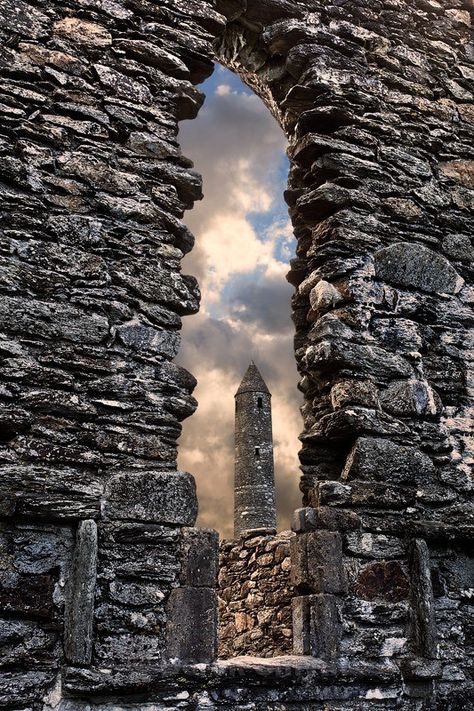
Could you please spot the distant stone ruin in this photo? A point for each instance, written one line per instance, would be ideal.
(255, 596)
(254, 587)
(107, 590)
(254, 483)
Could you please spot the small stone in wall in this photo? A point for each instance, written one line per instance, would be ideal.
(324, 297)
(384, 580)
(354, 392)
(404, 209)
(90, 34)
(459, 247)
(461, 16)
(410, 397)
(461, 171)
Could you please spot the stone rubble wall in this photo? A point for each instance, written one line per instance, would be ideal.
(104, 582)
(255, 593)
(100, 568)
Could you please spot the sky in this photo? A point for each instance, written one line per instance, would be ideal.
(243, 246)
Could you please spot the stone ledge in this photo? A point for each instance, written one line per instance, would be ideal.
(255, 671)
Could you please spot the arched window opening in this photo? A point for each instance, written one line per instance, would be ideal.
(244, 242)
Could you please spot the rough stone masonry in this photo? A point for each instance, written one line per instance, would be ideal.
(254, 482)
(255, 595)
(107, 592)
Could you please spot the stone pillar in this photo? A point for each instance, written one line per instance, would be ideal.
(79, 614)
(192, 607)
(254, 485)
(317, 571)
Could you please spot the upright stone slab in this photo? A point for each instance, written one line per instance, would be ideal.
(424, 624)
(191, 631)
(79, 613)
(316, 626)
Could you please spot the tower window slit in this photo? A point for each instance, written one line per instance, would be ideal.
(259, 403)
(257, 452)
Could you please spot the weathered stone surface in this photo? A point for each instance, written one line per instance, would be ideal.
(376, 102)
(364, 494)
(461, 171)
(317, 562)
(86, 33)
(79, 612)
(310, 519)
(368, 545)
(423, 602)
(382, 460)
(323, 297)
(49, 492)
(416, 266)
(317, 627)
(410, 398)
(32, 596)
(384, 581)
(157, 497)
(192, 625)
(199, 558)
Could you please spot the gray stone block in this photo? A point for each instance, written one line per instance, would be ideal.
(416, 266)
(191, 630)
(156, 497)
(324, 517)
(79, 613)
(317, 630)
(316, 562)
(378, 459)
(369, 545)
(199, 557)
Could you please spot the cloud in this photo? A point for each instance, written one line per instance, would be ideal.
(223, 90)
(243, 245)
(264, 303)
(238, 148)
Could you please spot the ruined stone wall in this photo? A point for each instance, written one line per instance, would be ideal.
(105, 587)
(255, 593)
(98, 568)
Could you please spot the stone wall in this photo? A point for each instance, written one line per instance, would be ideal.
(376, 101)
(255, 593)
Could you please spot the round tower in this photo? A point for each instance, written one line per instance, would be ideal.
(254, 483)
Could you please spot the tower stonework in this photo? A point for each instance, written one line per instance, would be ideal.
(254, 484)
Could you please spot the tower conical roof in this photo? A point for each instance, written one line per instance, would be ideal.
(252, 382)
